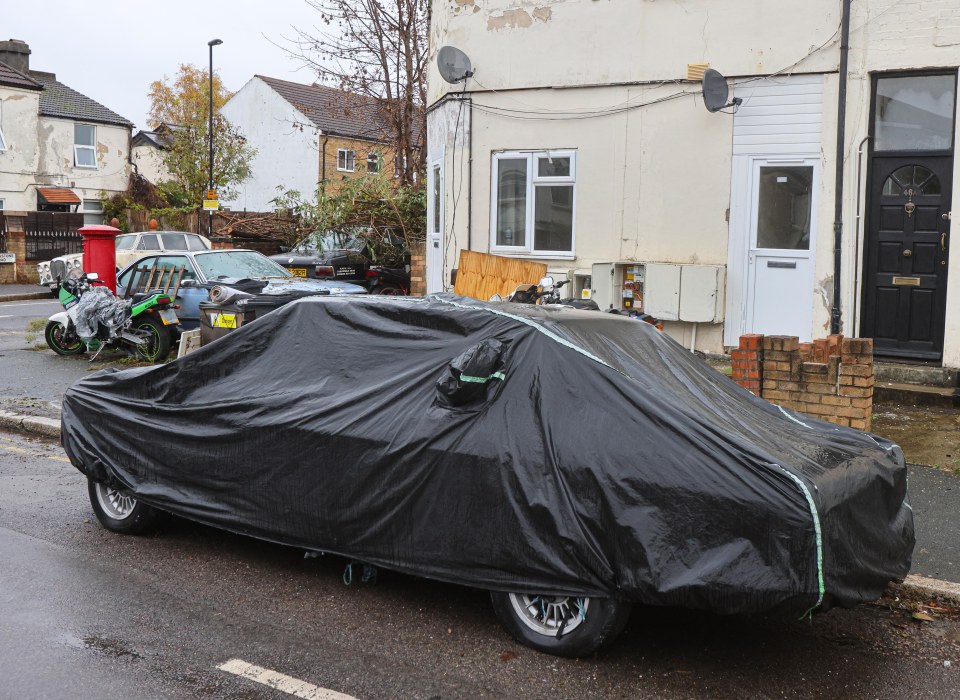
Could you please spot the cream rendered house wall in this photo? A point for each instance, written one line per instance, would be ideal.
(56, 166)
(18, 163)
(287, 143)
(654, 183)
(149, 162)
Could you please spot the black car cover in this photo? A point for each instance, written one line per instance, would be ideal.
(510, 447)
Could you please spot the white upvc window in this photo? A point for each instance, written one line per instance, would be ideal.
(373, 162)
(345, 160)
(85, 145)
(532, 208)
(3, 141)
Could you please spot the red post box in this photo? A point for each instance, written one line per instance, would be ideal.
(100, 253)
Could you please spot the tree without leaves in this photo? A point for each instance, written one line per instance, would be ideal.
(378, 49)
(183, 107)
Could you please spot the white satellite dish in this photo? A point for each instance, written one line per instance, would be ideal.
(454, 64)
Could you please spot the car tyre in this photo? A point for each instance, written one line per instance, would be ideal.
(160, 342)
(60, 340)
(118, 511)
(585, 624)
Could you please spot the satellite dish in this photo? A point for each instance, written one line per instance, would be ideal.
(716, 92)
(454, 64)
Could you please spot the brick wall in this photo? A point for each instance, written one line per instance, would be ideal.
(418, 270)
(830, 378)
(22, 271)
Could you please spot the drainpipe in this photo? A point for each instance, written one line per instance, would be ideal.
(470, 180)
(323, 165)
(838, 186)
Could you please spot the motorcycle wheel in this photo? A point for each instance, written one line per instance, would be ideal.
(389, 291)
(158, 345)
(60, 340)
(561, 625)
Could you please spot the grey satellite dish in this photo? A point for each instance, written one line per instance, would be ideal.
(454, 64)
(716, 92)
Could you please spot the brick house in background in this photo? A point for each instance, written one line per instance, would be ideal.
(307, 137)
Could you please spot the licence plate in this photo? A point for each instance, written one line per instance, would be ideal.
(169, 317)
(299, 271)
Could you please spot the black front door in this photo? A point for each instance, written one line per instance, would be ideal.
(907, 232)
(905, 281)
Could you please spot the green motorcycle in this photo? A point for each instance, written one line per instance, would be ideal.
(94, 319)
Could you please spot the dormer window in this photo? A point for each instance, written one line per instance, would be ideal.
(85, 145)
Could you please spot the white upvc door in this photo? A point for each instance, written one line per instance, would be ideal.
(782, 240)
(435, 221)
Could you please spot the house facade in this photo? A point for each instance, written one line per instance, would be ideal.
(59, 149)
(307, 137)
(581, 139)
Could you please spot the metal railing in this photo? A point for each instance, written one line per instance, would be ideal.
(52, 234)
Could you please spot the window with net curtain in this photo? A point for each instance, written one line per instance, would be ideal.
(915, 113)
(534, 203)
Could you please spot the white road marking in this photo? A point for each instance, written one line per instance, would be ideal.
(7, 316)
(287, 684)
(8, 304)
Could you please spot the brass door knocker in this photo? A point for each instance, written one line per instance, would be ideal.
(909, 207)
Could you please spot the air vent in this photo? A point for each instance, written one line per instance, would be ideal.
(695, 71)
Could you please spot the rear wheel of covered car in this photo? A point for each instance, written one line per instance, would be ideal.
(561, 625)
(120, 512)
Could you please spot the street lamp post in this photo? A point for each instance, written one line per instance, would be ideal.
(211, 44)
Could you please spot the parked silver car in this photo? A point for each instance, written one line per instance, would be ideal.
(130, 248)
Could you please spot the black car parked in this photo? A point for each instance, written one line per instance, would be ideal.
(382, 267)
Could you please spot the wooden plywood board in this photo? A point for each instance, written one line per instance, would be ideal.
(480, 275)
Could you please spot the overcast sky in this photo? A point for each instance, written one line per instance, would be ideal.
(111, 50)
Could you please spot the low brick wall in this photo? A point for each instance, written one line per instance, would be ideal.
(830, 378)
(418, 270)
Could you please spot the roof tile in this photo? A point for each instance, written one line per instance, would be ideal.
(334, 111)
(58, 100)
(14, 78)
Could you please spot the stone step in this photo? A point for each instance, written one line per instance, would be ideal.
(916, 395)
(924, 375)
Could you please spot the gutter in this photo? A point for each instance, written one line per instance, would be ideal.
(835, 313)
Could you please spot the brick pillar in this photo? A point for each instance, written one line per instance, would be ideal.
(748, 362)
(855, 381)
(22, 272)
(418, 270)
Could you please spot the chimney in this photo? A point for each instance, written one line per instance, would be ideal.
(16, 54)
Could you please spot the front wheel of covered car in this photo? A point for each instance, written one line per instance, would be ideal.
(561, 625)
(118, 511)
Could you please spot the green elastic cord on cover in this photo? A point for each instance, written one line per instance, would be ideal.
(481, 380)
(819, 534)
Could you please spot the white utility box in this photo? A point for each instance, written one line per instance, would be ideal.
(667, 291)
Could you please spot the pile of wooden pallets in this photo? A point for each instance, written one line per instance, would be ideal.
(164, 279)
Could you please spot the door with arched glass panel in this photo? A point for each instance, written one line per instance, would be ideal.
(908, 221)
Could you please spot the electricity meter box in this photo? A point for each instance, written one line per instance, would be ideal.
(667, 291)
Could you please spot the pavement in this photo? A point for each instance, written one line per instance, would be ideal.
(23, 292)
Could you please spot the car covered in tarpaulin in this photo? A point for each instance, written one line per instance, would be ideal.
(571, 462)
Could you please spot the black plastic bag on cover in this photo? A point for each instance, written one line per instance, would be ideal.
(470, 373)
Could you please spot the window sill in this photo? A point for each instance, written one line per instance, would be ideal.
(86, 167)
(537, 256)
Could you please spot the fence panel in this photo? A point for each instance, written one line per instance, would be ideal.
(52, 234)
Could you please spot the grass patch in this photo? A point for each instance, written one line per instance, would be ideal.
(34, 328)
